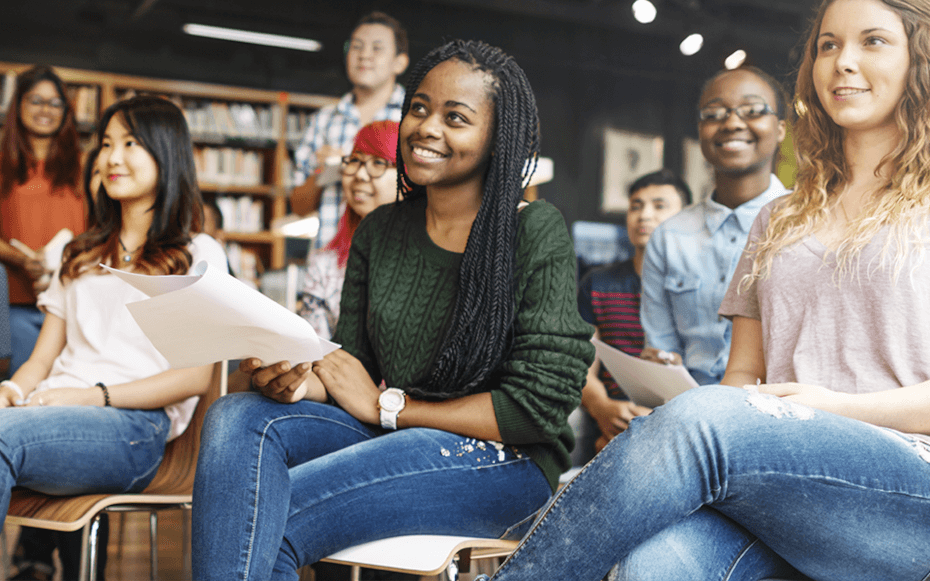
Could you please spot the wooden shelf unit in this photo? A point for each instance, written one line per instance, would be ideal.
(273, 151)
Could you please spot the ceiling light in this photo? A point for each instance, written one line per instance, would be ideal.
(735, 60)
(644, 11)
(253, 37)
(692, 44)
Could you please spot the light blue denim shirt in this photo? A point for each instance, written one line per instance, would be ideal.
(689, 262)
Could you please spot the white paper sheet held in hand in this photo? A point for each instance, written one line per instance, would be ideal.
(647, 383)
(210, 316)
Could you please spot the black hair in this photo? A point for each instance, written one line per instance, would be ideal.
(663, 177)
(401, 45)
(479, 335)
(90, 162)
(160, 128)
(781, 98)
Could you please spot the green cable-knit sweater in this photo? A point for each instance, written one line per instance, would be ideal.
(399, 298)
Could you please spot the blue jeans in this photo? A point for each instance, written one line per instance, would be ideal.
(25, 324)
(720, 484)
(280, 486)
(79, 449)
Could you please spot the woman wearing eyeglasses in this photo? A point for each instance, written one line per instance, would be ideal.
(691, 257)
(369, 179)
(40, 168)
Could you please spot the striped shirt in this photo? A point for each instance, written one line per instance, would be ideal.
(608, 298)
(336, 126)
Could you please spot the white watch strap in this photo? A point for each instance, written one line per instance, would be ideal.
(389, 419)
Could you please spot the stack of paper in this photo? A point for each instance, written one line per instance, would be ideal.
(210, 316)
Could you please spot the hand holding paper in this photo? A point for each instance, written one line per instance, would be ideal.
(210, 316)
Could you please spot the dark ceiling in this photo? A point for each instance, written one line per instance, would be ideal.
(598, 36)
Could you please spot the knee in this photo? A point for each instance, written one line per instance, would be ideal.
(705, 405)
(230, 418)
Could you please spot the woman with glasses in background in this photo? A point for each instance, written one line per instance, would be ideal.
(369, 179)
(40, 169)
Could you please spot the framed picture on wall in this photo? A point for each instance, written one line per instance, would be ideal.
(627, 156)
(697, 171)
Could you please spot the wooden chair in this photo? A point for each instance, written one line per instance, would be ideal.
(172, 487)
(425, 555)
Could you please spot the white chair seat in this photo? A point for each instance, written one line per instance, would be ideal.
(419, 554)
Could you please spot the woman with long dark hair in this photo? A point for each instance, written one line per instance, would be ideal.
(460, 299)
(95, 403)
(40, 167)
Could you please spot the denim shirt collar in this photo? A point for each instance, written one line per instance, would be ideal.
(715, 213)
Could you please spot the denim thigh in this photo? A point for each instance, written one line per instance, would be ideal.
(80, 449)
(413, 481)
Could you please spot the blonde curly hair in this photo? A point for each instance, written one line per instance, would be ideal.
(904, 198)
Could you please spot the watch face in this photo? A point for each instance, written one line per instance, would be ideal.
(391, 400)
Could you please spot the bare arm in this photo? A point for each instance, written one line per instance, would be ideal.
(305, 198)
(152, 392)
(746, 363)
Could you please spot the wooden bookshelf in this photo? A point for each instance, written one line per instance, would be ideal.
(263, 151)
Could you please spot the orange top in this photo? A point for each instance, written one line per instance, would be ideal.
(33, 214)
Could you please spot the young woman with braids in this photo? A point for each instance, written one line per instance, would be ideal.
(95, 403)
(463, 304)
(823, 470)
(40, 170)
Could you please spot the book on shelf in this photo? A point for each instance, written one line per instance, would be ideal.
(244, 263)
(241, 214)
(218, 120)
(229, 166)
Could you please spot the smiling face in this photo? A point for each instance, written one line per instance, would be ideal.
(649, 207)
(42, 109)
(372, 60)
(446, 135)
(735, 145)
(128, 170)
(364, 193)
(862, 64)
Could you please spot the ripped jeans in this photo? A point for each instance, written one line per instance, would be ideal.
(280, 486)
(724, 484)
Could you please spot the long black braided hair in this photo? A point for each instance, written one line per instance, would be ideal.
(479, 336)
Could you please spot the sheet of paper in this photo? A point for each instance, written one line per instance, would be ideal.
(210, 316)
(648, 384)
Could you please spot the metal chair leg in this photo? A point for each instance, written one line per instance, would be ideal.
(356, 574)
(153, 544)
(452, 571)
(89, 550)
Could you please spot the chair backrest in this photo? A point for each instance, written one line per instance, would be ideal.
(176, 473)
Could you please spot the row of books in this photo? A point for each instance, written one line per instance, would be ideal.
(241, 213)
(84, 98)
(221, 120)
(297, 123)
(229, 166)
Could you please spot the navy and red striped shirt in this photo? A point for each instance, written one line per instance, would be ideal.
(608, 298)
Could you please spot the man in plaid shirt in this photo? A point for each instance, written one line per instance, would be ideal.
(376, 54)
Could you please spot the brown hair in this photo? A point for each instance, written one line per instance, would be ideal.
(160, 128)
(905, 197)
(63, 164)
(401, 44)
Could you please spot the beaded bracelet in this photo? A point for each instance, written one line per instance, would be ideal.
(106, 393)
(14, 386)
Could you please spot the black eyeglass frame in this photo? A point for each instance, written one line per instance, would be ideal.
(746, 112)
(375, 166)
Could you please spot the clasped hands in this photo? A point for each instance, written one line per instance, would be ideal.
(338, 375)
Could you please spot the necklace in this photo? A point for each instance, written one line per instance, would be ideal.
(128, 256)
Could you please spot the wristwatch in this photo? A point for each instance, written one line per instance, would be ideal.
(391, 402)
